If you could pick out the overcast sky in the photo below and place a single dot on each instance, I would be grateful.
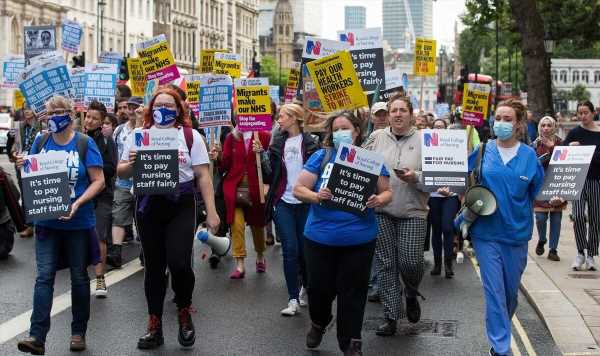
(445, 12)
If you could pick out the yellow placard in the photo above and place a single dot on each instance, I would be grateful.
(253, 100)
(425, 56)
(18, 100)
(137, 76)
(475, 103)
(336, 82)
(207, 59)
(158, 62)
(193, 91)
(293, 78)
(227, 63)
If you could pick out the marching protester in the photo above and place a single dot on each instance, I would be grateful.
(241, 192)
(473, 139)
(166, 223)
(402, 223)
(339, 245)
(544, 145)
(501, 239)
(121, 110)
(587, 134)
(289, 150)
(94, 121)
(71, 237)
(379, 116)
(421, 122)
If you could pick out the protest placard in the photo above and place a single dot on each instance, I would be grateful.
(44, 79)
(274, 93)
(71, 36)
(310, 95)
(425, 56)
(384, 95)
(566, 173)
(18, 100)
(315, 48)
(228, 63)
(253, 108)
(291, 87)
(149, 90)
(444, 160)
(207, 59)
(38, 40)
(192, 90)
(12, 66)
(393, 78)
(442, 110)
(110, 57)
(352, 179)
(157, 60)
(216, 91)
(137, 77)
(336, 82)
(250, 82)
(78, 78)
(100, 85)
(156, 168)
(366, 48)
(475, 103)
(45, 184)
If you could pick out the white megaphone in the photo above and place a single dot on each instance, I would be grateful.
(479, 201)
(219, 245)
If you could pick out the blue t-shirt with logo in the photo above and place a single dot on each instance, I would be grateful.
(85, 217)
(331, 226)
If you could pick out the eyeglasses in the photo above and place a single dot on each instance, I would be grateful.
(58, 112)
(165, 105)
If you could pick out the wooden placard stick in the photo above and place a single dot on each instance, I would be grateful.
(261, 186)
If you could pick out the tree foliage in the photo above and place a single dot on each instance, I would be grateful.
(579, 93)
(269, 68)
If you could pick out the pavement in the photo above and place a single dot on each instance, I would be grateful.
(567, 301)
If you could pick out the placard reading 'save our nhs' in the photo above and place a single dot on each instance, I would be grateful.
(156, 168)
(46, 192)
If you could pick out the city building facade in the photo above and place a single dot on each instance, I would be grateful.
(308, 17)
(399, 15)
(355, 17)
(567, 73)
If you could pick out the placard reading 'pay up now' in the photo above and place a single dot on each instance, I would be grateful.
(156, 168)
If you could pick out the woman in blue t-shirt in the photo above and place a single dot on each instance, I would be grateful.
(70, 236)
(339, 245)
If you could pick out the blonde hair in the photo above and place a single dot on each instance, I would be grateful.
(520, 111)
(294, 110)
(59, 102)
(546, 118)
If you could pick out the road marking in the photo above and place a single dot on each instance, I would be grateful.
(518, 327)
(21, 323)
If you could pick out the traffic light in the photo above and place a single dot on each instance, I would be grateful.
(123, 71)
(79, 61)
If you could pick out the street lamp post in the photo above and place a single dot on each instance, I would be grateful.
(549, 46)
(279, 52)
(100, 20)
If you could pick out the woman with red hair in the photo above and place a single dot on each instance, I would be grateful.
(166, 223)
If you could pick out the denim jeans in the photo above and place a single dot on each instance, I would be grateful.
(289, 224)
(73, 244)
(555, 219)
(443, 210)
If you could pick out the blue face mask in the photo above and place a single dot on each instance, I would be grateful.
(503, 130)
(164, 116)
(342, 136)
(58, 123)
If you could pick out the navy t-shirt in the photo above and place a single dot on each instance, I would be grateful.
(85, 217)
(336, 227)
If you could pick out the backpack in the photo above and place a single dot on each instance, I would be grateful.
(82, 145)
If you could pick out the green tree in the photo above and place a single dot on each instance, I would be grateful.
(579, 93)
(269, 68)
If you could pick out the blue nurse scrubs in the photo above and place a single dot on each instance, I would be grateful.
(500, 240)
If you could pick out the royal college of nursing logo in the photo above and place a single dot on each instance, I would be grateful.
(313, 47)
(142, 138)
(31, 165)
(348, 154)
(560, 155)
(432, 139)
(347, 37)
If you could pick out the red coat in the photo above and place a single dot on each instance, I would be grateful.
(237, 161)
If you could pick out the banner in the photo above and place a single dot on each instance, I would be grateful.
(156, 168)
(71, 36)
(425, 56)
(12, 67)
(336, 82)
(100, 85)
(475, 103)
(45, 184)
(78, 81)
(366, 48)
(137, 77)
(39, 40)
(253, 108)
(566, 173)
(228, 63)
(18, 100)
(353, 179)
(216, 91)
(444, 160)
(157, 60)
(43, 80)
(291, 87)
(207, 59)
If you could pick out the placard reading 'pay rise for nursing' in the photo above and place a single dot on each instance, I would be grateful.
(156, 168)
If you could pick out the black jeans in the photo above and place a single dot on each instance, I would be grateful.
(342, 272)
(443, 210)
(167, 234)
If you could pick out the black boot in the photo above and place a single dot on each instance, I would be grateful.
(413, 310)
(386, 329)
(437, 266)
(314, 336)
(187, 333)
(115, 259)
(448, 267)
(154, 336)
(354, 349)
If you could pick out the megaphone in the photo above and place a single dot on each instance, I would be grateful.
(219, 245)
(479, 201)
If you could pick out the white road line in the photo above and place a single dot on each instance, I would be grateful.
(20, 323)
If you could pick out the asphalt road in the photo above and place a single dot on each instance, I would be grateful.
(242, 317)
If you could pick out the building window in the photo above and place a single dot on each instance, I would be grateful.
(554, 76)
(575, 76)
(585, 76)
(596, 77)
(563, 76)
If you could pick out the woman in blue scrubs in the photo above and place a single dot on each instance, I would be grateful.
(512, 172)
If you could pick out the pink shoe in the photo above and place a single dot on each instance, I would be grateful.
(261, 267)
(237, 274)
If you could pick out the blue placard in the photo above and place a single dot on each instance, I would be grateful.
(100, 84)
(12, 67)
(215, 96)
(71, 36)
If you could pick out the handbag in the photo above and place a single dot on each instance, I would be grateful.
(242, 194)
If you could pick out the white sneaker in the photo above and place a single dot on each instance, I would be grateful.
(292, 309)
(460, 257)
(578, 263)
(303, 298)
(101, 290)
(591, 265)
